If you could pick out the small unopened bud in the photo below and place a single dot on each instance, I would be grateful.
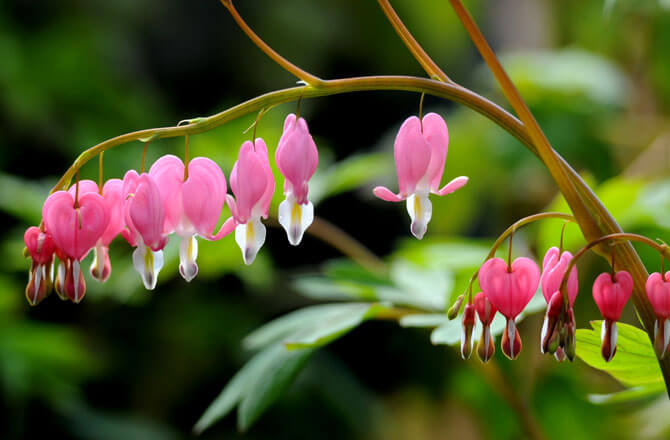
(26, 253)
(466, 334)
(454, 309)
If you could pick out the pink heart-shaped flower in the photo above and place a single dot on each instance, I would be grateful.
(509, 289)
(75, 230)
(553, 270)
(658, 292)
(611, 295)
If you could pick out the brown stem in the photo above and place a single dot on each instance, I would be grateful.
(307, 77)
(419, 54)
(343, 242)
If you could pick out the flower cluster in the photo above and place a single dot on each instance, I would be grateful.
(185, 199)
(508, 288)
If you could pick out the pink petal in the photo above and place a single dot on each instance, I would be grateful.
(85, 186)
(112, 192)
(436, 135)
(168, 173)
(75, 231)
(203, 194)
(454, 185)
(553, 269)
(386, 194)
(412, 155)
(658, 292)
(611, 296)
(146, 213)
(297, 156)
(251, 180)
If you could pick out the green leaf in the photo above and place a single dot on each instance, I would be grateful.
(426, 289)
(633, 365)
(631, 394)
(424, 320)
(331, 322)
(248, 382)
(278, 373)
(306, 320)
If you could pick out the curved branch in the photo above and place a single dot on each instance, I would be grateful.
(332, 87)
(406, 36)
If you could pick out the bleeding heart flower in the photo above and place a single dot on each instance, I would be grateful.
(611, 294)
(509, 289)
(486, 312)
(553, 270)
(112, 193)
(420, 152)
(194, 204)
(468, 325)
(297, 159)
(41, 248)
(75, 228)
(145, 218)
(253, 185)
(658, 292)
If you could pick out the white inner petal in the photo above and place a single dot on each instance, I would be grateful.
(295, 218)
(148, 264)
(76, 271)
(420, 211)
(666, 334)
(188, 253)
(250, 237)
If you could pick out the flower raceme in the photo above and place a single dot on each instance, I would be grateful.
(297, 159)
(420, 152)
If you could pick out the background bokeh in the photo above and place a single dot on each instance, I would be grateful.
(132, 364)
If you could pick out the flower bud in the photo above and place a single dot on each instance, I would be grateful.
(466, 334)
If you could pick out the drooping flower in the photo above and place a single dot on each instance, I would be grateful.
(468, 325)
(658, 292)
(144, 217)
(75, 227)
(112, 193)
(553, 270)
(611, 292)
(41, 248)
(297, 159)
(253, 185)
(420, 152)
(486, 312)
(509, 289)
(192, 206)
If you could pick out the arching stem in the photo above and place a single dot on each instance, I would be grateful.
(307, 77)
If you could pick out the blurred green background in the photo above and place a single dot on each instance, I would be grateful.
(132, 364)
